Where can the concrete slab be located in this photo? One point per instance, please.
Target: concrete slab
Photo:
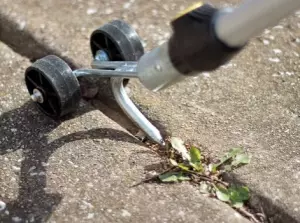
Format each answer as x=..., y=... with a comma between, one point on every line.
x=82, y=168
x=252, y=102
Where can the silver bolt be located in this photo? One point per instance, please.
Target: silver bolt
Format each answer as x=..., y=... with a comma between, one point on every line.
x=158, y=67
x=37, y=96
x=101, y=55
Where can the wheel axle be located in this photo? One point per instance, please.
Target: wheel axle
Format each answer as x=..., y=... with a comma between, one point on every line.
x=37, y=96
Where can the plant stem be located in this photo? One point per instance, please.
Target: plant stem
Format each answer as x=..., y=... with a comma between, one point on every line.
x=203, y=177
x=248, y=214
x=152, y=178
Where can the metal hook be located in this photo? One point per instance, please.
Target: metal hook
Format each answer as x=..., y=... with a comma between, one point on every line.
x=118, y=71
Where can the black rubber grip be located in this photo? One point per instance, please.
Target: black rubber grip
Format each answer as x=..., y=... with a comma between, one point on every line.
x=194, y=46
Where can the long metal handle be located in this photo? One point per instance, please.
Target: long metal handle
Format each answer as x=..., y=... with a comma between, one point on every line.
x=249, y=19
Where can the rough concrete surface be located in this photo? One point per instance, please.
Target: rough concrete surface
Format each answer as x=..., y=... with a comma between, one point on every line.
x=251, y=102
x=81, y=169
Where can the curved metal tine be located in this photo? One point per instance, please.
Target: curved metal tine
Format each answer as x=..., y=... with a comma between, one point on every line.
x=133, y=112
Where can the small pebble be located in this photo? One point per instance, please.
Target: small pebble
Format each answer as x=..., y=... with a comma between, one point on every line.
x=45, y=164
x=229, y=65
x=91, y=11
x=126, y=5
x=205, y=74
x=274, y=60
x=2, y=206
x=154, y=12
x=16, y=219
x=271, y=37
x=90, y=215
x=89, y=185
x=266, y=42
x=144, y=44
x=125, y=213
x=22, y=25
x=108, y=11
x=32, y=168
x=277, y=51
x=16, y=169
x=87, y=204
x=278, y=27
x=20, y=160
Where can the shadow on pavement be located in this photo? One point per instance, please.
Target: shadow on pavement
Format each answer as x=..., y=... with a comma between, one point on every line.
x=26, y=44
x=31, y=127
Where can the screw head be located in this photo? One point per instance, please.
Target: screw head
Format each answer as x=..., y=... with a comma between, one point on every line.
x=101, y=55
x=158, y=67
x=37, y=96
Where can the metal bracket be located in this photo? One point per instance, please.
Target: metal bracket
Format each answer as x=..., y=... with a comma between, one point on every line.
x=117, y=71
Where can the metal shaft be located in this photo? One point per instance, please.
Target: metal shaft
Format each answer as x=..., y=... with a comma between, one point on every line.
x=113, y=64
x=129, y=72
x=237, y=27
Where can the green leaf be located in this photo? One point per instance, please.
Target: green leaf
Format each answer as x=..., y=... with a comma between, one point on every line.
x=173, y=177
x=229, y=155
x=195, y=161
x=179, y=146
x=241, y=159
x=183, y=167
x=173, y=162
x=234, y=151
x=223, y=194
x=212, y=168
x=238, y=194
x=197, y=166
x=238, y=204
x=168, y=177
x=183, y=178
x=195, y=155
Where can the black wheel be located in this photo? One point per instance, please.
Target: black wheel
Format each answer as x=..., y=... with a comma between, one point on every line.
x=52, y=85
x=119, y=40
